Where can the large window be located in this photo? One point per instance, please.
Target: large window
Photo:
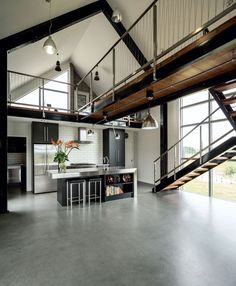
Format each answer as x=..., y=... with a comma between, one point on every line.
x=52, y=95
x=221, y=181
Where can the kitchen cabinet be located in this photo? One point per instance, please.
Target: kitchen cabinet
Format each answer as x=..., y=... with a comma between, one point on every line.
x=43, y=133
x=113, y=148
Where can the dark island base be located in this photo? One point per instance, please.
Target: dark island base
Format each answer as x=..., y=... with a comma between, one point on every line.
x=128, y=189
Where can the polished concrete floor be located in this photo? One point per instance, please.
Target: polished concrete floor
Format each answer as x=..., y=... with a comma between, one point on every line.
x=177, y=239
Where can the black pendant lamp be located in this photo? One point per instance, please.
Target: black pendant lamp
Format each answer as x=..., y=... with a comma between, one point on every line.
x=96, y=77
x=58, y=64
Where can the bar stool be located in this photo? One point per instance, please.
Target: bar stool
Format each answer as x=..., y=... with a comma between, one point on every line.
x=97, y=182
x=69, y=192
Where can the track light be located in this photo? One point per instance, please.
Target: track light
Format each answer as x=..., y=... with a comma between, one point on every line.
x=116, y=16
x=49, y=45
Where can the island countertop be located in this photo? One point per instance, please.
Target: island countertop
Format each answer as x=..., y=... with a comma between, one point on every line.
x=88, y=172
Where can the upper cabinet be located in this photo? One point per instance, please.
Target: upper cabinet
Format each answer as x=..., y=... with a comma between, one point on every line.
x=114, y=148
x=43, y=133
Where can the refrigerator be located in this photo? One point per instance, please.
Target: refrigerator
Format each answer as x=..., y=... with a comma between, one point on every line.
x=43, y=161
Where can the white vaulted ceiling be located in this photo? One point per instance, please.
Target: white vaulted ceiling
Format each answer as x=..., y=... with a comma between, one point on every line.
x=82, y=44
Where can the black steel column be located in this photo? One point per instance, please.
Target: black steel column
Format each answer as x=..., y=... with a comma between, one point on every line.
x=163, y=138
x=3, y=131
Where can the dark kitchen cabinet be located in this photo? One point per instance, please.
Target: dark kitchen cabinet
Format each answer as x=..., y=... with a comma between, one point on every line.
x=113, y=148
x=43, y=133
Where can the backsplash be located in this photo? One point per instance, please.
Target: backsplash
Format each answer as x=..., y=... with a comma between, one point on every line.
x=88, y=153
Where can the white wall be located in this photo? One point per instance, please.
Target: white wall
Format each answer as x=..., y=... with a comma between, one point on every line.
x=147, y=143
x=147, y=148
x=23, y=129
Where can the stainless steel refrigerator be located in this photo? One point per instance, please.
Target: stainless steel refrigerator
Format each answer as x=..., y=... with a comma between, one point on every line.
x=43, y=161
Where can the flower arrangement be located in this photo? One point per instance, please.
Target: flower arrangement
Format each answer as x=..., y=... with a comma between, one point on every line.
x=63, y=150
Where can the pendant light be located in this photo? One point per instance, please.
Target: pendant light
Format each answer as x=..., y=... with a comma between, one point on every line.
x=117, y=135
x=49, y=45
x=58, y=64
x=96, y=77
x=149, y=122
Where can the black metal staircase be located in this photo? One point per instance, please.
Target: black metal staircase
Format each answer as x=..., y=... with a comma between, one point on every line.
x=207, y=157
x=226, y=103
x=213, y=158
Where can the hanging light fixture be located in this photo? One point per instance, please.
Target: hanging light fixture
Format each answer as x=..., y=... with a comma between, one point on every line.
x=96, y=77
x=58, y=64
x=149, y=122
x=117, y=135
x=49, y=45
x=116, y=16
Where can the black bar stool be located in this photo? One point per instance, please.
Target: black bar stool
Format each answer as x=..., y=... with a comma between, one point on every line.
x=96, y=192
x=81, y=186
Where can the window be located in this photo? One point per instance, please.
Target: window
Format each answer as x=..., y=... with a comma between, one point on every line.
x=53, y=95
x=221, y=181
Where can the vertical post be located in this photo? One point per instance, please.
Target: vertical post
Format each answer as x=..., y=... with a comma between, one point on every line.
x=3, y=131
x=210, y=185
x=43, y=97
x=114, y=67
x=174, y=163
x=200, y=144
x=91, y=87
x=164, y=139
x=154, y=10
x=154, y=177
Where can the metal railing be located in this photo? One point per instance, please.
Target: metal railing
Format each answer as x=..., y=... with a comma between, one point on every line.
x=177, y=146
x=159, y=32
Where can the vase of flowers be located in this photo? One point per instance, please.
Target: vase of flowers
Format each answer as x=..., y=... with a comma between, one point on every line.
x=63, y=150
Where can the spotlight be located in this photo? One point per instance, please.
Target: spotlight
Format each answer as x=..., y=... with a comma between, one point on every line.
x=116, y=16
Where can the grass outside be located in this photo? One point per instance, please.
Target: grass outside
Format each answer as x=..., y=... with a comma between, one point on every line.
x=220, y=191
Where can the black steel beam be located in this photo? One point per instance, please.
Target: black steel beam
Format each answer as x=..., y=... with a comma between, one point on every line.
x=208, y=83
x=120, y=29
x=3, y=131
x=59, y=23
x=164, y=138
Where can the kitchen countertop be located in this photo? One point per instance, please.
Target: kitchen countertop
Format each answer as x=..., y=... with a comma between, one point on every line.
x=87, y=172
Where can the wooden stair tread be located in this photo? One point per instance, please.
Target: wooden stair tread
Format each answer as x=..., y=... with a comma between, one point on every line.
x=193, y=174
x=229, y=101
x=221, y=158
x=210, y=164
x=201, y=169
x=186, y=178
x=233, y=113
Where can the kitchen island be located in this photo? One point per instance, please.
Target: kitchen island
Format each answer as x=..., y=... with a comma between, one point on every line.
x=117, y=182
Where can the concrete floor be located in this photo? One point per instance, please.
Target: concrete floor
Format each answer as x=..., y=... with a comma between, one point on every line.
x=165, y=240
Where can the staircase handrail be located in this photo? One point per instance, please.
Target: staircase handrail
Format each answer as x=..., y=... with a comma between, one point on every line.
x=195, y=127
x=191, y=158
x=157, y=57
